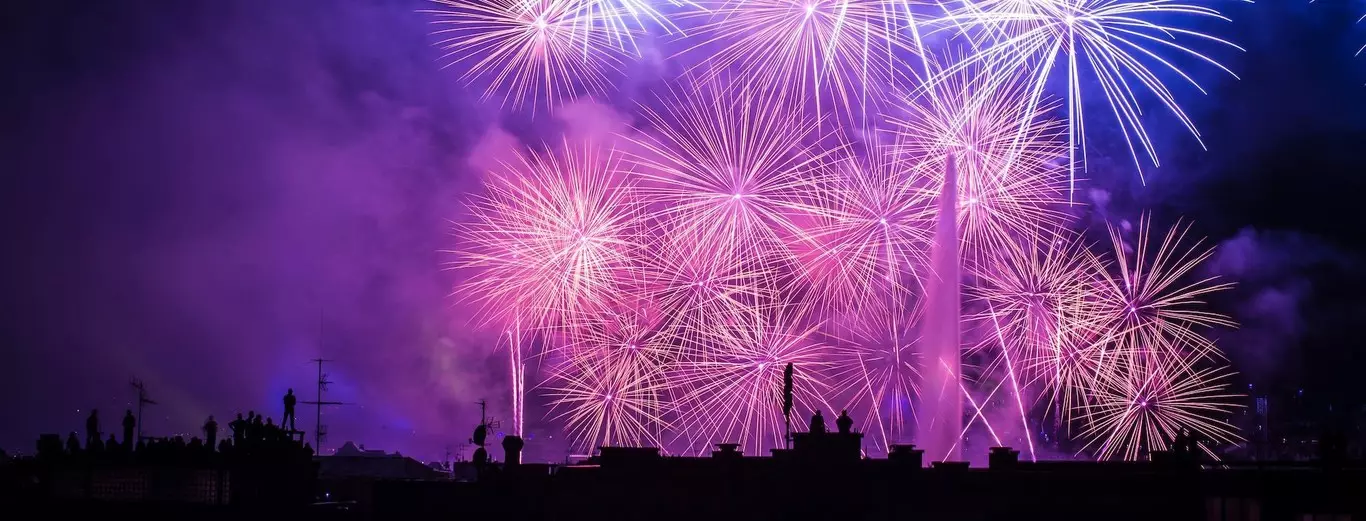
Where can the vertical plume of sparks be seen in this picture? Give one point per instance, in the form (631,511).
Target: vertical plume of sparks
(1122,44)
(530,52)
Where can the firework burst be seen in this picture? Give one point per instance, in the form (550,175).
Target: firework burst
(550,237)
(534,53)
(865,228)
(610,396)
(825,53)
(1121,43)
(1153,313)
(726,169)
(1140,409)
(876,368)
(731,390)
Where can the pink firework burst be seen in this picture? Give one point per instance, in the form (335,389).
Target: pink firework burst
(1139,409)
(864,233)
(698,285)
(534,53)
(610,397)
(550,237)
(725,169)
(732,390)
(1010,172)
(875,367)
(824,54)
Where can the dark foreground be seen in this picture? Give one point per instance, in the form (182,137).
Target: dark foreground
(769,488)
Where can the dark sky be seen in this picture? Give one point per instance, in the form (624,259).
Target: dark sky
(205,195)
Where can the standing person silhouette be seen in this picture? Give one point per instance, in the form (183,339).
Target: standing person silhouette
(129,423)
(239,429)
(211,433)
(844,423)
(288,418)
(818,423)
(92,428)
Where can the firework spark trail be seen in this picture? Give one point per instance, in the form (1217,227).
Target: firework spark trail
(547,240)
(530,52)
(1116,40)
(733,393)
(807,50)
(977,413)
(1152,314)
(726,168)
(875,367)
(1141,407)
(1015,387)
(866,227)
(1010,182)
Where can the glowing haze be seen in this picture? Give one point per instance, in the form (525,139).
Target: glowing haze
(207,195)
(819,190)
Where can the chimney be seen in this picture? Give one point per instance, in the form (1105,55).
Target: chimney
(1002,458)
(907,456)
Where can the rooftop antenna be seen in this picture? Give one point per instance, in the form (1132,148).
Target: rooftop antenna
(143,399)
(320,430)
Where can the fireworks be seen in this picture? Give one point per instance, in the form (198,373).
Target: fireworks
(1007,155)
(725,169)
(533,52)
(1123,44)
(731,390)
(876,365)
(827,52)
(773,206)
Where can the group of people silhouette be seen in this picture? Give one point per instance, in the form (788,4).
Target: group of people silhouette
(253,434)
(844,423)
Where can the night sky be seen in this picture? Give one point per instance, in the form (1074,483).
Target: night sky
(206,195)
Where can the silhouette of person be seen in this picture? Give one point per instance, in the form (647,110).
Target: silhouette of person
(1181,445)
(92,428)
(818,423)
(844,423)
(239,429)
(112,443)
(288,418)
(73,445)
(254,426)
(271,432)
(129,423)
(211,432)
